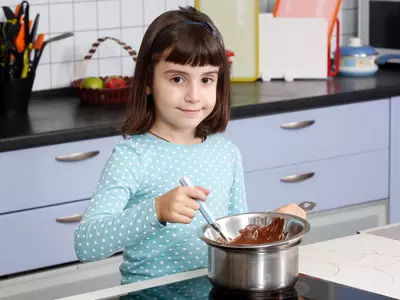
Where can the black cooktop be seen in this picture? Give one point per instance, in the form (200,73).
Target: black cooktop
(306,288)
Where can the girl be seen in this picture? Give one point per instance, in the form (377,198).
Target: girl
(180,101)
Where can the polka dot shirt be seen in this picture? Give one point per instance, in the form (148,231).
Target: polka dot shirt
(121,214)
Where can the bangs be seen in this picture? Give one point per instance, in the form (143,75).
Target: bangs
(195,46)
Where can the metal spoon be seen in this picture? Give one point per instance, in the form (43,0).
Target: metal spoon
(185,181)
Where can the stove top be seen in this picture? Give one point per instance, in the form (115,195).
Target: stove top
(306,288)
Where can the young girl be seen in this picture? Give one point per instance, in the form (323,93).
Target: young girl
(180,101)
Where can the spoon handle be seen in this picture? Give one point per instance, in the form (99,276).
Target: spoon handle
(185,181)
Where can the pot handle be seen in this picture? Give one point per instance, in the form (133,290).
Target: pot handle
(308,205)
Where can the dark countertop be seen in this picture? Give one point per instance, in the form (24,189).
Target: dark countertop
(59,116)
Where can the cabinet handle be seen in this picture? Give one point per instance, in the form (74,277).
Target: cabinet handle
(307,205)
(70,219)
(297,178)
(297,125)
(77,156)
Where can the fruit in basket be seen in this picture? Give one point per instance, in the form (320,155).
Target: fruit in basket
(114,82)
(92,83)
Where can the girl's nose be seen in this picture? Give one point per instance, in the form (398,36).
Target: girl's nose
(193,94)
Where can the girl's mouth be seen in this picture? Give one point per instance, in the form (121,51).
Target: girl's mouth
(190,111)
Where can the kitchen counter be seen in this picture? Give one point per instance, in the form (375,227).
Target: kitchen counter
(391,231)
(363,261)
(60,117)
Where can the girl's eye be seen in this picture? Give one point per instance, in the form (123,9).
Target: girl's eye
(207,80)
(177,79)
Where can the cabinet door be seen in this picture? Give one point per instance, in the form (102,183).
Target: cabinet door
(297,137)
(346,221)
(54,174)
(330,183)
(395,160)
(34,239)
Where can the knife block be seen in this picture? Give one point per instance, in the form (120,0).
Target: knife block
(15,95)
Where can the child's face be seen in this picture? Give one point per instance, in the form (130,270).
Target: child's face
(183,95)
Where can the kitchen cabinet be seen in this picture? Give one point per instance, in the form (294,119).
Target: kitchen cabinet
(395,160)
(336,156)
(341,222)
(331,183)
(34,239)
(50,175)
(310,135)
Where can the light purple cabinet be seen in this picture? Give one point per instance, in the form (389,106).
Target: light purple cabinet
(49,175)
(331,183)
(309,135)
(395,160)
(34,239)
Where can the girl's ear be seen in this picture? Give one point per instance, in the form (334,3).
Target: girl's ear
(148,90)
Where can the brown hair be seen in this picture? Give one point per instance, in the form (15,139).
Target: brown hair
(176,37)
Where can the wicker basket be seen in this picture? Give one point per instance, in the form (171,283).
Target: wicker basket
(105,95)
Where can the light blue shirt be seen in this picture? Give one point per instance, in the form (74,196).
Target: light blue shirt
(121,214)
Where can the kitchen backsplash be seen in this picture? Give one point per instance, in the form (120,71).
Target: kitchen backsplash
(124,19)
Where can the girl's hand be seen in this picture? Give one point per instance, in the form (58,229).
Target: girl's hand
(292,209)
(178,205)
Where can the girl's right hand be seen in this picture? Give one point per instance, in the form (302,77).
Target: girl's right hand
(178,205)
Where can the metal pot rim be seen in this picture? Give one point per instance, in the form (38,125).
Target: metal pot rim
(292,241)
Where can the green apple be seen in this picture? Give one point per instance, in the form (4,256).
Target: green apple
(92,83)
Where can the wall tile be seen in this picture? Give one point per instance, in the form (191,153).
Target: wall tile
(110,67)
(110,48)
(61,17)
(133,37)
(89,68)
(83,43)
(131,13)
(62,51)
(153,10)
(128,66)
(85,15)
(124,19)
(109,14)
(43,77)
(43,10)
(62,74)
(174,4)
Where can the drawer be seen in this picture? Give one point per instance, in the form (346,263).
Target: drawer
(335,182)
(326,132)
(34,239)
(34,178)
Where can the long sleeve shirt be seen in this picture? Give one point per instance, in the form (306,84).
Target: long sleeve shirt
(121,214)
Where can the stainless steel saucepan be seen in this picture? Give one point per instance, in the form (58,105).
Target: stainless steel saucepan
(257,268)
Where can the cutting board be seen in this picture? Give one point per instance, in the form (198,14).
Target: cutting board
(237,20)
(327,9)
(292,48)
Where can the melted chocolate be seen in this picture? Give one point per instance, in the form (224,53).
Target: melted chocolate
(256,234)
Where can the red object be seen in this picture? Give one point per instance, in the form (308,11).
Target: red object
(337,56)
(114,83)
(229,54)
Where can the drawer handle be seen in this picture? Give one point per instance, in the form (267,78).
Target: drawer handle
(297,125)
(77,156)
(70,219)
(297,178)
